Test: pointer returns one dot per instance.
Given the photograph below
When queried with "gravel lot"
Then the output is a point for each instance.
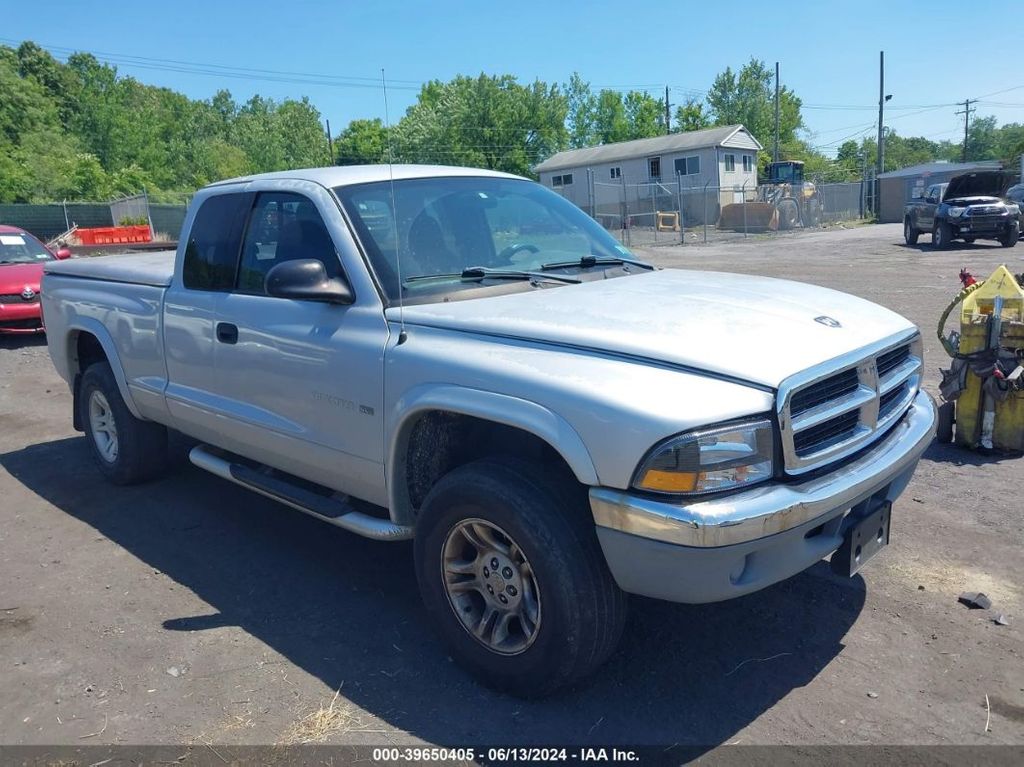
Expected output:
(192, 611)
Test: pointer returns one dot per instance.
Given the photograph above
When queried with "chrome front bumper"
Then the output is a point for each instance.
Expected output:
(774, 508)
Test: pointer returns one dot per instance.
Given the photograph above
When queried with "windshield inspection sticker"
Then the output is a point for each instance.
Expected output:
(11, 239)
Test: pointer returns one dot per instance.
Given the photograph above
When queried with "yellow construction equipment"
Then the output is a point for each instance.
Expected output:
(785, 201)
(667, 222)
(984, 388)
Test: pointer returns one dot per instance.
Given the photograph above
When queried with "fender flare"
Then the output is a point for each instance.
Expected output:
(500, 408)
(95, 328)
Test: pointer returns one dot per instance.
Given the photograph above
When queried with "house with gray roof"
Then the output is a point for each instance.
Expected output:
(599, 178)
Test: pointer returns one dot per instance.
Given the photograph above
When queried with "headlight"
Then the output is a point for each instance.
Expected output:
(1013, 210)
(955, 212)
(709, 460)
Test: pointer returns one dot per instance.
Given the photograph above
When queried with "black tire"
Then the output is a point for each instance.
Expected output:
(942, 235)
(910, 233)
(944, 424)
(140, 447)
(812, 213)
(788, 214)
(1009, 239)
(581, 610)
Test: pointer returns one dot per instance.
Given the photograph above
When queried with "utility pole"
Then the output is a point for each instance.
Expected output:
(880, 166)
(882, 98)
(668, 114)
(775, 151)
(330, 143)
(967, 124)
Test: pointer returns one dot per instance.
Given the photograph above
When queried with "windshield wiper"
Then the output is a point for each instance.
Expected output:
(486, 273)
(587, 262)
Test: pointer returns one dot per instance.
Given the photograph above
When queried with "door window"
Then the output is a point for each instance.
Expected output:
(283, 227)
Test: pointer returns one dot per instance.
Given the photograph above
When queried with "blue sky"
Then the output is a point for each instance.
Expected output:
(828, 51)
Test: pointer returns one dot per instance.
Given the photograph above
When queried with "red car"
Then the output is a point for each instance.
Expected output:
(22, 257)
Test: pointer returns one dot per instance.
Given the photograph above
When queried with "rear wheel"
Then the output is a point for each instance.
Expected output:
(910, 233)
(942, 235)
(944, 425)
(513, 576)
(126, 449)
(1009, 239)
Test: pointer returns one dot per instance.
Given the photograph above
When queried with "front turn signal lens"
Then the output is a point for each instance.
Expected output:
(710, 460)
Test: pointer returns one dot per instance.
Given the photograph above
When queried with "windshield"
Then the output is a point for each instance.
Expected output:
(448, 225)
(22, 248)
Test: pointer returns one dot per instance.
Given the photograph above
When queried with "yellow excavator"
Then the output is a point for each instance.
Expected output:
(785, 201)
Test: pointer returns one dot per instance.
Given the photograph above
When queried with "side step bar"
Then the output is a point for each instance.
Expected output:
(334, 512)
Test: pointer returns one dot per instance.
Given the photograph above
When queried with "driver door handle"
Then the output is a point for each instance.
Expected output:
(227, 333)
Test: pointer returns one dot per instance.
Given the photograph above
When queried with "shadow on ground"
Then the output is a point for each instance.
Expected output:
(347, 609)
(962, 456)
(21, 340)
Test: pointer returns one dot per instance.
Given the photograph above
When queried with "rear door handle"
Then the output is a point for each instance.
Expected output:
(227, 333)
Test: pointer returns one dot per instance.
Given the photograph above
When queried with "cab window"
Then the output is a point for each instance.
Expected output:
(211, 253)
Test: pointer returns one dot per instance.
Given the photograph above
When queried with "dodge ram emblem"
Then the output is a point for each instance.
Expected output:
(28, 294)
(828, 322)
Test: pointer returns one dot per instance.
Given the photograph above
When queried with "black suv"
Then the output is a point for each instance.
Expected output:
(970, 208)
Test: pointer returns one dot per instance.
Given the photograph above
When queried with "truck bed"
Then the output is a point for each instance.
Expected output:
(154, 269)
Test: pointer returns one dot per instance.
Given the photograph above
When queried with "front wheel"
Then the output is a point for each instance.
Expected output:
(910, 233)
(942, 235)
(512, 574)
(127, 450)
(1009, 239)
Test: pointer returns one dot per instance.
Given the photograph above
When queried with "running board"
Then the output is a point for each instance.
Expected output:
(334, 512)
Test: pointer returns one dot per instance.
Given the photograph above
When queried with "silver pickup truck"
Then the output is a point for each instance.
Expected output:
(464, 358)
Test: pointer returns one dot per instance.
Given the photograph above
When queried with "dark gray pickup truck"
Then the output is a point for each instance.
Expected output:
(970, 207)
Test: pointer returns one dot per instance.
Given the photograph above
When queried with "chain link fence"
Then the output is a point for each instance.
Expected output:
(675, 211)
(51, 220)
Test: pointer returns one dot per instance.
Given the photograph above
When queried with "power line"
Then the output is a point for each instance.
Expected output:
(220, 70)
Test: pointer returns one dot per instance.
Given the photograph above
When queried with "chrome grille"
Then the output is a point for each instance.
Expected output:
(985, 210)
(16, 298)
(830, 412)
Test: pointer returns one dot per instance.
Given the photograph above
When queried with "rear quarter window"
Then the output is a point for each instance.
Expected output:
(214, 242)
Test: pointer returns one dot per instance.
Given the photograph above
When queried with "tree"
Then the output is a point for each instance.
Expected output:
(983, 139)
(486, 121)
(582, 109)
(749, 99)
(610, 121)
(691, 115)
(362, 142)
(645, 115)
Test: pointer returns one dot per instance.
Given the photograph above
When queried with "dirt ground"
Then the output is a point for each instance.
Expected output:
(192, 611)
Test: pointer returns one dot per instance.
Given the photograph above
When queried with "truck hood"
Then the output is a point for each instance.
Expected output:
(753, 329)
(982, 183)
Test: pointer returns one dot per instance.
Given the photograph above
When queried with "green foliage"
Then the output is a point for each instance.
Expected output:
(133, 221)
(362, 142)
(78, 131)
(692, 115)
(485, 122)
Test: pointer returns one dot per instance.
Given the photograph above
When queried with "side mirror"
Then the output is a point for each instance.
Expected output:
(63, 254)
(306, 280)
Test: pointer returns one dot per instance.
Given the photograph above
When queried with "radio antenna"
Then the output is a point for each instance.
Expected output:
(394, 214)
